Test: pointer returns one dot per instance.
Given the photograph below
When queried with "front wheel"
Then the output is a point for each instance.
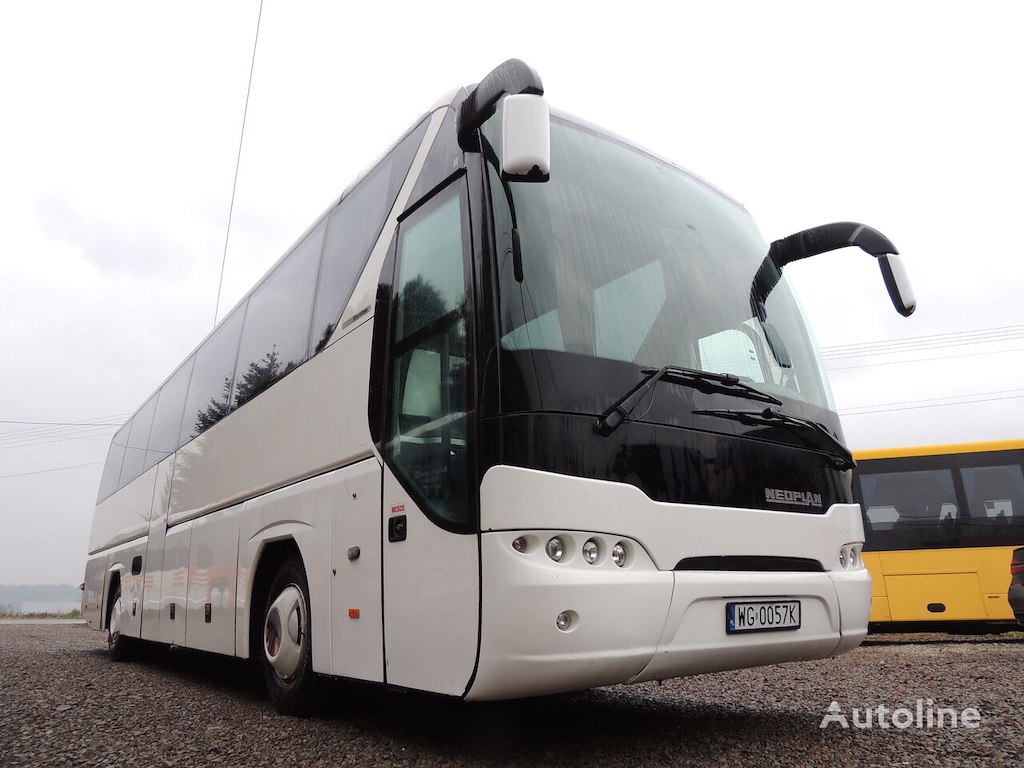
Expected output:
(287, 653)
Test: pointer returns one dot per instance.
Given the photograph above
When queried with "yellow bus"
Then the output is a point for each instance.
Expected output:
(940, 523)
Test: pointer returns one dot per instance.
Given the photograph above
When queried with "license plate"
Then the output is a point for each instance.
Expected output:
(762, 616)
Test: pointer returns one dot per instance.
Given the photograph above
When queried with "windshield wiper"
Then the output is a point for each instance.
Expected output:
(702, 381)
(823, 439)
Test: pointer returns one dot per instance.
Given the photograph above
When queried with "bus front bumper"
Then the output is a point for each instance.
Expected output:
(834, 611)
(555, 627)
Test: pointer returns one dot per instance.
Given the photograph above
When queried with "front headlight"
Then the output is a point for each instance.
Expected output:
(555, 548)
(619, 554)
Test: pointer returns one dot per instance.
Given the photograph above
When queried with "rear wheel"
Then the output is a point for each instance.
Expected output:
(119, 645)
(287, 654)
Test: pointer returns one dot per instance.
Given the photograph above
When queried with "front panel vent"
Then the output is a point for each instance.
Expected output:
(770, 563)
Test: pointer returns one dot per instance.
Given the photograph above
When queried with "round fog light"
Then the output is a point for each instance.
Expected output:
(555, 548)
(619, 554)
(842, 557)
(519, 545)
(590, 551)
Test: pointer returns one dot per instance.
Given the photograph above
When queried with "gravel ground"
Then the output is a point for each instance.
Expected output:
(64, 703)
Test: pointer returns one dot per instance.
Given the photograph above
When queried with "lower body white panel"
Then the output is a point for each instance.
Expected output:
(100, 570)
(213, 559)
(174, 584)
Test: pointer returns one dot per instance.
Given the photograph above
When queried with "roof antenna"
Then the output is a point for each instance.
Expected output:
(238, 162)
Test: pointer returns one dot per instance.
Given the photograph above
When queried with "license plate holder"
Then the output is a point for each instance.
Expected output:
(762, 616)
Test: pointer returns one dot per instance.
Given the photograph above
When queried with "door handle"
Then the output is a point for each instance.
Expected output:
(397, 528)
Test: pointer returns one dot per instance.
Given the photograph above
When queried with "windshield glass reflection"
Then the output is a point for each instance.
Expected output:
(627, 258)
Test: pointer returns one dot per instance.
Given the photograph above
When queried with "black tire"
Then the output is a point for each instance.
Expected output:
(119, 646)
(285, 646)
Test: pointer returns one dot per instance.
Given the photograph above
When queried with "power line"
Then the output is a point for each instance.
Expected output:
(238, 163)
(51, 440)
(924, 347)
(113, 419)
(54, 469)
(991, 329)
(61, 423)
(46, 432)
(913, 405)
(922, 359)
(933, 341)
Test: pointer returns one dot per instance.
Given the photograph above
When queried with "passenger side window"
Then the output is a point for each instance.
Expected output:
(429, 392)
(209, 394)
(909, 510)
(994, 493)
(275, 340)
(115, 458)
(163, 439)
(352, 231)
(995, 505)
(138, 439)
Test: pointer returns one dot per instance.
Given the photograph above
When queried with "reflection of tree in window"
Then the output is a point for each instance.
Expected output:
(215, 411)
(421, 305)
(260, 375)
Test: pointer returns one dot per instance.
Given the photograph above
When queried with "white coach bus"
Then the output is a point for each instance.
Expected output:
(527, 410)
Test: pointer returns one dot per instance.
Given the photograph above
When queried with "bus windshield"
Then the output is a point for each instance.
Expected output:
(629, 259)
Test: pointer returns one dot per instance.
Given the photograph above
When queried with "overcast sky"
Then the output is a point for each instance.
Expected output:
(119, 136)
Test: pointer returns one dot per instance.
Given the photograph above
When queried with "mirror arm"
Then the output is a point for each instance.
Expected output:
(817, 240)
(829, 237)
(491, 157)
(510, 78)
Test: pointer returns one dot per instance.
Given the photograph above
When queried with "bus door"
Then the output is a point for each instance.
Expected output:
(431, 555)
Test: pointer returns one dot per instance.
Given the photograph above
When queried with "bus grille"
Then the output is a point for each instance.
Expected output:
(749, 563)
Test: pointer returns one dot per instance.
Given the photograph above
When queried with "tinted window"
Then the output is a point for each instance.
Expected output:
(163, 439)
(909, 510)
(115, 457)
(210, 390)
(973, 499)
(138, 439)
(995, 505)
(444, 158)
(430, 386)
(994, 492)
(276, 336)
(352, 230)
(431, 276)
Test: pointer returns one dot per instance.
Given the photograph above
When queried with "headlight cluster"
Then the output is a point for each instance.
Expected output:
(594, 550)
(850, 557)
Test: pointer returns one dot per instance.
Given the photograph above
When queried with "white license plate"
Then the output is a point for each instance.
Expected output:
(762, 616)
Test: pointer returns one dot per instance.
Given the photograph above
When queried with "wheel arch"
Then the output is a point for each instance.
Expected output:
(110, 588)
(271, 556)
